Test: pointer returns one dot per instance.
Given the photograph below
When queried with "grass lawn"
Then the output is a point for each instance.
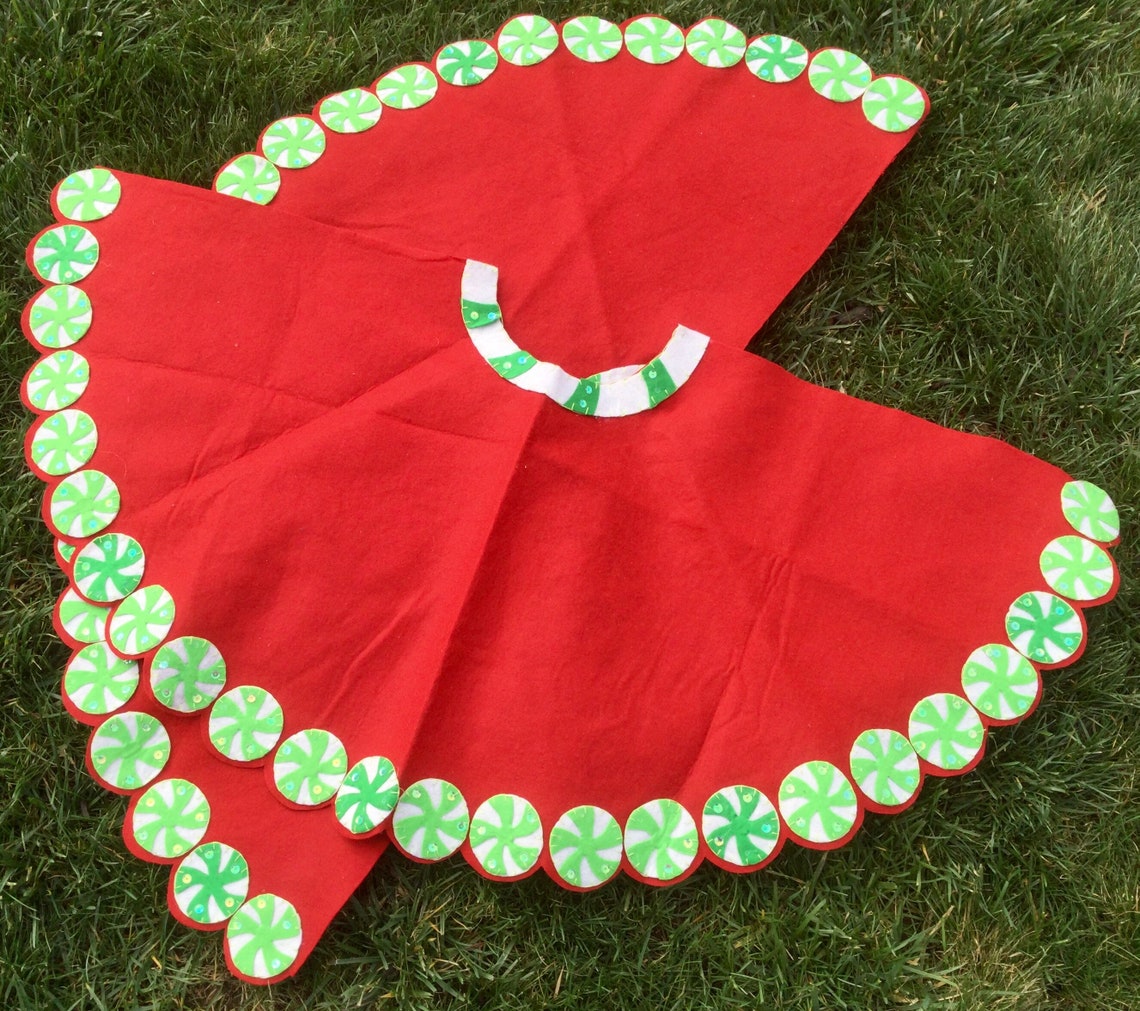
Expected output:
(991, 282)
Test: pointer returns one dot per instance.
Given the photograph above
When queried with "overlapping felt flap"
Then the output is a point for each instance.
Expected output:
(334, 580)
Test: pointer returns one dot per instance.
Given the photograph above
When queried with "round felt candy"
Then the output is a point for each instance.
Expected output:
(171, 818)
(82, 620)
(1000, 682)
(1090, 511)
(108, 567)
(506, 835)
(818, 802)
(1044, 628)
(776, 58)
(430, 821)
(661, 840)
(64, 550)
(65, 254)
(351, 111)
(945, 730)
(368, 795)
(211, 883)
(527, 39)
(838, 75)
(407, 87)
(585, 846)
(264, 936)
(88, 195)
(885, 767)
(99, 682)
(893, 104)
(59, 316)
(245, 723)
(592, 39)
(740, 825)
(57, 381)
(249, 177)
(293, 142)
(84, 503)
(141, 621)
(654, 40)
(1077, 568)
(129, 749)
(309, 767)
(64, 442)
(187, 674)
(466, 63)
(715, 43)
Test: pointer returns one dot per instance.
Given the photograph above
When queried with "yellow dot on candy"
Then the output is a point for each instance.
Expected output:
(186, 879)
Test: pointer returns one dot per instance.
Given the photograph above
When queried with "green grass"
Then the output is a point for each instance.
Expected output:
(991, 282)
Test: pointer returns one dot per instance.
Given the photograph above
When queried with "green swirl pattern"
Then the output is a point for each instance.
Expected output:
(838, 75)
(592, 39)
(98, 682)
(466, 63)
(309, 767)
(585, 846)
(654, 40)
(82, 620)
(818, 803)
(65, 254)
(527, 39)
(946, 731)
(293, 142)
(661, 839)
(1090, 511)
(430, 821)
(740, 825)
(88, 195)
(57, 381)
(368, 795)
(999, 682)
(246, 723)
(1044, 628)
(64, 550)
(64, 442)
(59, 316)
(352, 111)
(715, 43)
(129, 749)
(187, 674)
(170, 818)
(776, 58)
(84, 503)
(108, 568)
(264, 936)
(408, 87)
(249, 177)
(141, 621)
(893, 104)
(506, 835)
(1077, 568)
(885, 767)
(210, 885)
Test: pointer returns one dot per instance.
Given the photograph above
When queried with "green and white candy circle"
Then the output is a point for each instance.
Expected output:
(309, 767)
(893, 104)
(740, 825)
(84, 503)
(506, 835)
(129, 749)
(715, 43)
(211, 883)
(88, 195)
(293, 142)
(142, 620)
(946, 731)
(98, 682)
(527, 39)
(368, 795)
(108, 568)
(246, 723)
(466, 63)
(249, 177)
(654, 40)
(408, 87)
(57, 381)
(585, 846)
(264, 936)
(187, 674)
(818, 803)
(885, 767)
(1077, 568)
(59, 316)
(592, 39)
(351, 111)
(65, 254)
(661, 840)
(171, 818)
(776, 58)
(999, 682)
(1090, 511)
(838, 75)
(64, 550)
(430, 821)
(82, 620)
(64, 442)
(1044, 628)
